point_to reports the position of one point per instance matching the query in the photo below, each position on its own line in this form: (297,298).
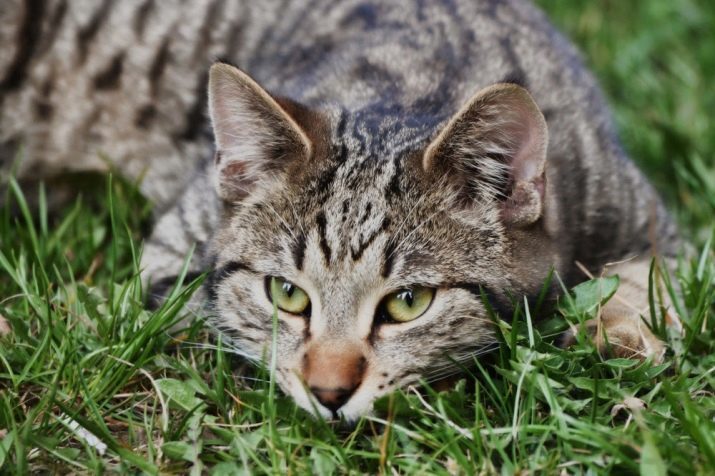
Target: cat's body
(362,183)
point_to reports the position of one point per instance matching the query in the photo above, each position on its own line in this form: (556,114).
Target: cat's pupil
(288,289)
(407,297)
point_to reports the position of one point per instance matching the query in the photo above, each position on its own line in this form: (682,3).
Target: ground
(90,381)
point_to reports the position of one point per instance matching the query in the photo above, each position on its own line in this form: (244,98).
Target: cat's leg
(620,329)
(184,227)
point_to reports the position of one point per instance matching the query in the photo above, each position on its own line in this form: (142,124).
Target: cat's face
(374,290)
(379,274)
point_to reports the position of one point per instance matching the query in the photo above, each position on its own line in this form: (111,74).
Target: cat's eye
(287,296)
(407,304)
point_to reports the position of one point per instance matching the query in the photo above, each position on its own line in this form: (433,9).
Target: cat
(382,171)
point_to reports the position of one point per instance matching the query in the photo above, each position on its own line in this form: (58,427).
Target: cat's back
(84,83)
(419,61)
(395,72)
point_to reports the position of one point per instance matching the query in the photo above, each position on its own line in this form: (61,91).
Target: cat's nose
(333,371)
(334,398)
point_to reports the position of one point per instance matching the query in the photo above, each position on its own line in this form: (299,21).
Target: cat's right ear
(255,136)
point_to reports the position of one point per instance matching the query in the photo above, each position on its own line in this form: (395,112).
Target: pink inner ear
(525,204)
(530,133)
(497,140)
(249,127)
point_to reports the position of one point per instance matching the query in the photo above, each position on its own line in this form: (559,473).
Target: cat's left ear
(494,149)
(256,138)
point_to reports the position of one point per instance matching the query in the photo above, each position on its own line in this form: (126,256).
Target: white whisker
(282,220)
(414,230)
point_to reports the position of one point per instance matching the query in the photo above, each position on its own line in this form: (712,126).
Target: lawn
(92,382)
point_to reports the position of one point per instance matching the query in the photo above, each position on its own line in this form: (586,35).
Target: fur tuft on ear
(255,136)
(494,149)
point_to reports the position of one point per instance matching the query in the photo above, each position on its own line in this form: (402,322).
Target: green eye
(287,296)
(408,304)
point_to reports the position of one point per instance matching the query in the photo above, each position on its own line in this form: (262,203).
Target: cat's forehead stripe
(298,251)
(324,246)
(365,242)
(388,259)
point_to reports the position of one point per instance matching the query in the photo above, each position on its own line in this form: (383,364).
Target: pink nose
(333,399)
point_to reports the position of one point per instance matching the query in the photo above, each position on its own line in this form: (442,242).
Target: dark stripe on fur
(159,291)
(324,247)
(298,251)
(145,116)
(517,75)
(393,188)
(217,276)
(141,16)
(234,37)
(211,18)
(357,254)
(236,335)
(389,259)
(54,25)
(43,106)
(27,40)
(112,74)
(366,214)
(158,65)
(87,34)
(193,125)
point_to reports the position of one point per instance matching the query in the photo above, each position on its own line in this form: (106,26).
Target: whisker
(295,217)
(437,378)
(282,220)
(408,214)
(453,366)
(225,347)
(414,230)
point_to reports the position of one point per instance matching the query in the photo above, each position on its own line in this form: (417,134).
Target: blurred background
(655,60)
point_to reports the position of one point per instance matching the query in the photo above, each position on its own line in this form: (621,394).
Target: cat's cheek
(361,403)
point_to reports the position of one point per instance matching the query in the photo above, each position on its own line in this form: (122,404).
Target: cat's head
(380,264)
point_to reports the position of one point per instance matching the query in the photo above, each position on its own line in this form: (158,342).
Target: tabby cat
(381,171)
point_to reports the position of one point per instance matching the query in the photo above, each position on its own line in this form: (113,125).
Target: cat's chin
(349,413)
(361,404)
(358,406)
(351,416)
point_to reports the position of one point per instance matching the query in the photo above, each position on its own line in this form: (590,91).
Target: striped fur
(361,211)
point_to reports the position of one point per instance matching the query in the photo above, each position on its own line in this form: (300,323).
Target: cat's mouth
(327,390)
(343,382)
(347,409)
(337,407)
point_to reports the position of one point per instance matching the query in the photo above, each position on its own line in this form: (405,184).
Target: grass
(92,382)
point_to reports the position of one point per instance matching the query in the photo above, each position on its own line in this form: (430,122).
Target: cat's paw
(623,336)
(629,337)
